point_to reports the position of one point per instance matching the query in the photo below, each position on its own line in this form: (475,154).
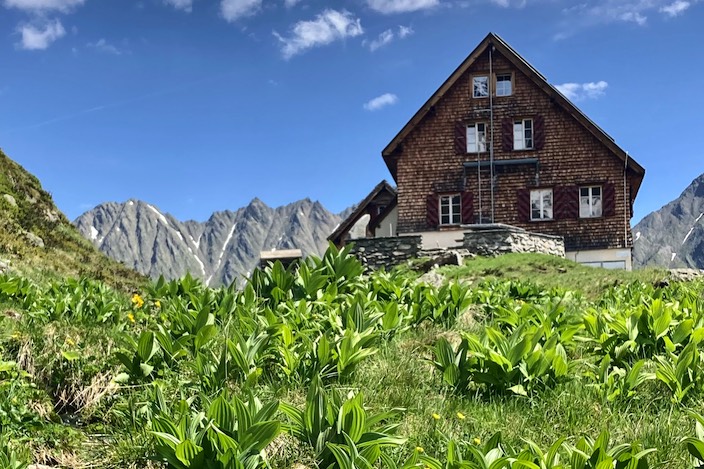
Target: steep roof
(348,222)
(390,153)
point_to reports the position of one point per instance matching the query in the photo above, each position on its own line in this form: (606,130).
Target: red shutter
(608,202)
(467,208)
(523,205)
(432,211)
(507,134)
(539,131)
(566,202)
(460,138)
(558,202)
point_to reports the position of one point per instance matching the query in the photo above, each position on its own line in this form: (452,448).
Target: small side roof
(348,222)
(390,153)
(280,254)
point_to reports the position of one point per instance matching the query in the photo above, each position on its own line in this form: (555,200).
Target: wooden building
(497,144)
(374,217)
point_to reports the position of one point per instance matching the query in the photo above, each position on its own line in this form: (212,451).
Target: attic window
(504,84)
(480,86)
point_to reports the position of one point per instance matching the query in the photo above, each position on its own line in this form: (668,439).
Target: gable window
(590,202)
(541,204)
(450,209)
(480,87)
(476,137)
(504,84)
(523,134)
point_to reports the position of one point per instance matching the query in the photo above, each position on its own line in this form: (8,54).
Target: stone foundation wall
(497,241)
(375,253)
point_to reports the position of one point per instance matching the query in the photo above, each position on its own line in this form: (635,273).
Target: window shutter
(432,211)
(467,207)
(539,130)
(566,202)
(523,205)
(608,203)
(507,134)
(460,138)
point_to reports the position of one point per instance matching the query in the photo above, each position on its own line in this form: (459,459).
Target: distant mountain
(224,248)
(674,235)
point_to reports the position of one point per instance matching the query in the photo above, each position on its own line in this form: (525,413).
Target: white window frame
(523,134)
(453,203)
(591,205)
(475,79)
(544,204)
(476,138)
(500,90)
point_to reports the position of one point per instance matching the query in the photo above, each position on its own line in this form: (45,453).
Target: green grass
(549,272)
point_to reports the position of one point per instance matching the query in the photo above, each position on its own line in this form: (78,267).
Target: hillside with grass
(36,239)
(520,361)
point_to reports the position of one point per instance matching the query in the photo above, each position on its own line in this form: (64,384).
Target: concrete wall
(607,258)
(387,226)
(441,239)
(375,253)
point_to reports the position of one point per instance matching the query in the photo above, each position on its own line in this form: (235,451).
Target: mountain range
(674,235)
(223,249)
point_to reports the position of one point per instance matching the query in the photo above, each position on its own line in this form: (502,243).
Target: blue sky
(202,105)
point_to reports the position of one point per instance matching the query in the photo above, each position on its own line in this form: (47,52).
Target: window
(476,137)
(504,85)
(480,87)
(590,202)
(450,209)
(523,134)
(541,204)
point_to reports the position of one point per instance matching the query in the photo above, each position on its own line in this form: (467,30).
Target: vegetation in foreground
(327,367)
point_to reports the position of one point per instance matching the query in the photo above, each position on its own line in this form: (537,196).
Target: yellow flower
(419,449)
(157,303)
(436,416)
(461,416)
(130,316)
(477,441)
(137,300)
(70,342)
(16,335)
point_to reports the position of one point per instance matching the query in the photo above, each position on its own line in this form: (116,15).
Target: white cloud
(291,3)
(232,10)
(185,5)
(386,99)
(43,5)
(41,37)
(388,36)
(404,31)
(102,45)
(509,3)
(580,91)
(675,8)
(327,27)
(401,6)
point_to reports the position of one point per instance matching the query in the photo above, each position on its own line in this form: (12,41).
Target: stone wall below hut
(502,240)
(375,253)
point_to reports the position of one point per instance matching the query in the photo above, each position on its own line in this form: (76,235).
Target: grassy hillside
(326,367)
(38,240)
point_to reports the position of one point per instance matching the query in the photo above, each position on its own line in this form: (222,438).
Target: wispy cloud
(40,37)
(101,45)
(386,99)
(184,5)
(580,91)
(43,5)
(291,3)
(401,6)
(509,3)
(388,36)
(233,10)
(327,27)
(675,8)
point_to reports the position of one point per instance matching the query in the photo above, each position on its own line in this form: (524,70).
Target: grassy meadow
(520,361)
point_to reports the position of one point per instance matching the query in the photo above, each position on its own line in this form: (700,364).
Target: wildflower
(16,335)
(461,416)
(420,449)
(157,303)
(70,342)
(130,317)
(137,300)
(436,416)
(477,441)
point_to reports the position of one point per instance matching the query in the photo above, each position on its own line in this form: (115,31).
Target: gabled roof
(348,222)
(390,153)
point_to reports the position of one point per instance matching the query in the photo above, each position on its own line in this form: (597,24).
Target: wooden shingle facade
(496,143)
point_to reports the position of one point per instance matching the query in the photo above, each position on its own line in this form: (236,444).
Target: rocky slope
(674,235)
(36,238)
(224,248)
